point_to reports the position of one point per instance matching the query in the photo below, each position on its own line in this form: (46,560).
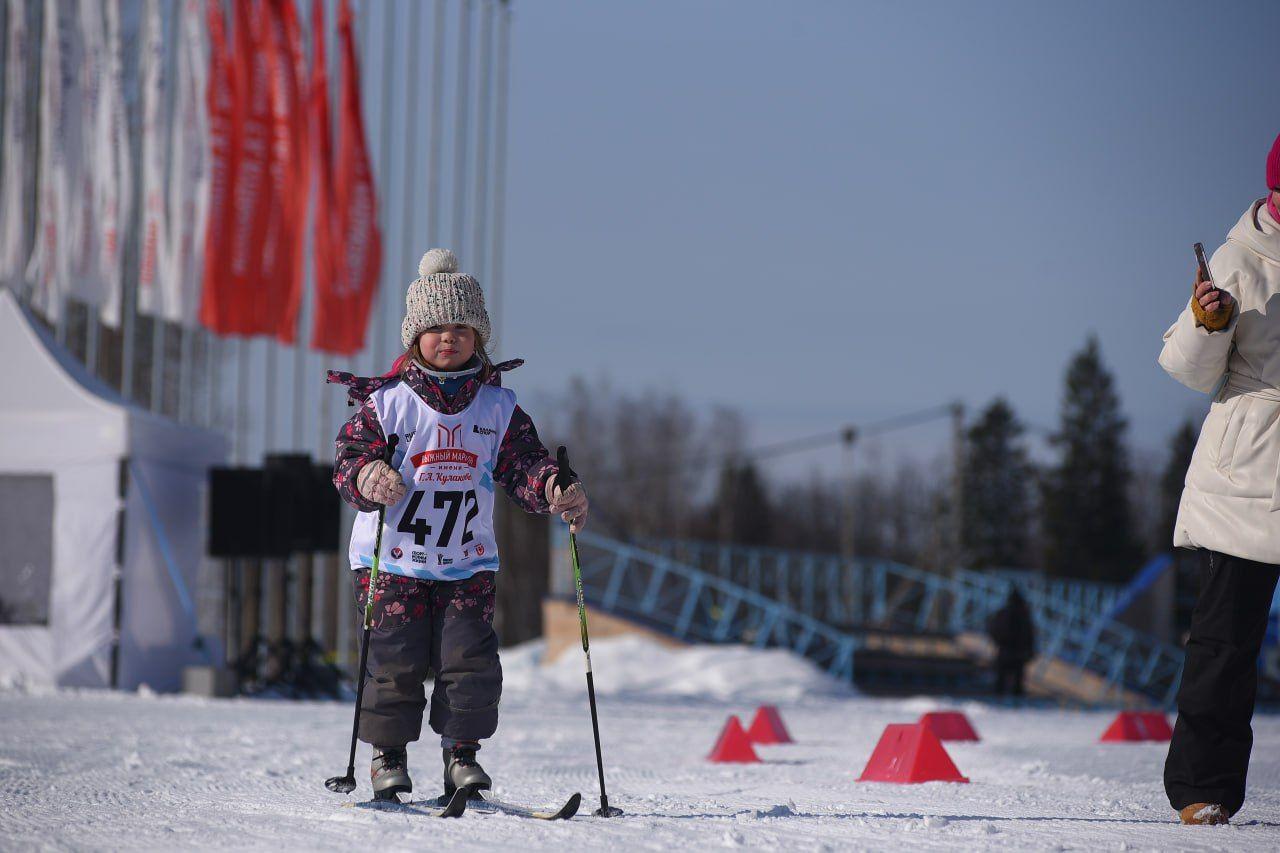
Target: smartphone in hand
(1205,275)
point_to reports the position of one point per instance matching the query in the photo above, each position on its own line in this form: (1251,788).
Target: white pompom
(437,260)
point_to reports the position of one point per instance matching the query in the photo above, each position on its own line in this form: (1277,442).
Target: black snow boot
(390,772)
(461,770)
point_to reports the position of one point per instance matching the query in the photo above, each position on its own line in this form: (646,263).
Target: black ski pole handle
(564,475)
(391,449)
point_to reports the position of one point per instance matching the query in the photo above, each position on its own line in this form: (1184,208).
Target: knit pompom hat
(442,295)
(1273,166)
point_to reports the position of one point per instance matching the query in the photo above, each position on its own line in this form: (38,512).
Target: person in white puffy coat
(1227,342)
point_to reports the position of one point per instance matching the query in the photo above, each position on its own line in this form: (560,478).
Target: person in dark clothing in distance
(1014,634)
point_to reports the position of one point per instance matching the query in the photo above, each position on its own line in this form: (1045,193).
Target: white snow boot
(390,772)
(461,770)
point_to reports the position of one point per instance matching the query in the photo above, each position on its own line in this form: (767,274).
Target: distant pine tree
(1087,523)
(997,491)
(743,512)
(1181,446)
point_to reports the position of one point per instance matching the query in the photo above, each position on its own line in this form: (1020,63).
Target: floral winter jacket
(523,463)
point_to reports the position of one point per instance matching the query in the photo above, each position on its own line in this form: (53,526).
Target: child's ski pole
(347,784)
(563,478)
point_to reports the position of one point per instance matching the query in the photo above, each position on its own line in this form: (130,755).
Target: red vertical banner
(216,293)
(288,170)
(343,301)
(325,239)
(258,199)
(251,199)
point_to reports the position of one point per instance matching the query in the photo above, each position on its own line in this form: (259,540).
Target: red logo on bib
(479,550)
(450,450)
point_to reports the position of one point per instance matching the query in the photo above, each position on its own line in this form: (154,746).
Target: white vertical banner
(60,162)
(13,216)
(155,294)
(112,170)
(190,172)
(86,281)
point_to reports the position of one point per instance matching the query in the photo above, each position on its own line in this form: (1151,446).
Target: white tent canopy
(94,489)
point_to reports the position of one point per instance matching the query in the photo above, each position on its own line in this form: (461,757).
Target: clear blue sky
(820,212)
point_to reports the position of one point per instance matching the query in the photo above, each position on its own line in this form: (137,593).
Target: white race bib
(443,528)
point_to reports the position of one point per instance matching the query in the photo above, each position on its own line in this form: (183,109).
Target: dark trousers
(423,627)
(1009,677)
(1209,754)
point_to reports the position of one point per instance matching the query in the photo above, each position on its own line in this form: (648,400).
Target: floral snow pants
(422,627)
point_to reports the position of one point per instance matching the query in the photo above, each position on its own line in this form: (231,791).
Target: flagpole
(331,73)
(130,234)
(482,140)
(150,266)
(269,393)
(437,118)
(460,141)
(241,442)
(500,165)
(381,303)
(410,197)
(91,340)
(216,350)
(172,57)
(298,442)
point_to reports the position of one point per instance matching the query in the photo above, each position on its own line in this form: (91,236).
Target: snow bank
(637,665)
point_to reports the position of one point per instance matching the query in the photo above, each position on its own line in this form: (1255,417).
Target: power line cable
(779,449)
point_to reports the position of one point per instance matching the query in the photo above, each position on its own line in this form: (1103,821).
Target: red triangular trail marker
(949,725)
(767,727)
(908,753)
(1131,726)
(733,744)
(1157,725)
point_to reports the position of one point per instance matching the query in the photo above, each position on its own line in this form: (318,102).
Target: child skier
(459,432)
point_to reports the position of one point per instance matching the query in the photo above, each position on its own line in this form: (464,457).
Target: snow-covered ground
(92,770)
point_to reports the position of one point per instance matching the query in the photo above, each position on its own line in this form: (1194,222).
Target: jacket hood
(1258,232)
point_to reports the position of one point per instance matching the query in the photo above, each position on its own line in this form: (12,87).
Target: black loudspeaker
(289,505)
(326,510)
(288,485)
(236,512)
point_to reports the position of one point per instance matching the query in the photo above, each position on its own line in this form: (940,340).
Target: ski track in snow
(95,769)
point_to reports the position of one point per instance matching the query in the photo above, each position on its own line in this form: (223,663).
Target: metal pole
(437,120)
(216,350)
(130,256)
(299,382)
(381,303)
(186,352)
(848,438)
(91,340)
(500,169)
(240,440)
(460,139)
(183,402)
(269,396)
(157,362)
(410,197)
(308,274)
(482,139)
(957,485)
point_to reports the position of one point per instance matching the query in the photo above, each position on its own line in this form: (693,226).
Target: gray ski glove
(571,504)
(380,483)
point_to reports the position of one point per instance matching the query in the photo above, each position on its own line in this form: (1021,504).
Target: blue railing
(807,602)
(880,593)
(695,606)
